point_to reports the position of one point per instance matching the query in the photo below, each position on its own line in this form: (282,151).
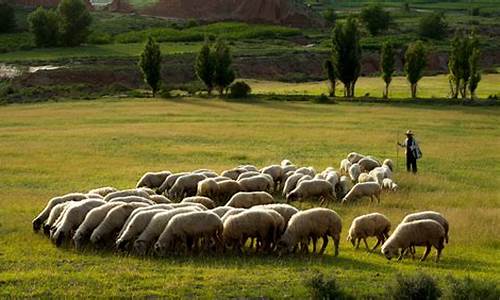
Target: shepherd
(412,152)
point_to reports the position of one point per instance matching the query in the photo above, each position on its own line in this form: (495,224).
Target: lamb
(426,233)
(285,210)
(207,202)
(374,224)
(186,186)
(285,163)
(354,157)
(306,171)
(73,217)
(333,178)
(93,218)
(371,189)
(365,177)
(188,227)
(226,189)
(233,173)
(249,199)
(344,186)
(248,175)
(153,180)
(255,184)
(276,172)
(55,213)
(345,164)
(129,199)
(207,188)
(156,227)
(312,224)
(378,175)
(368,163)
(431,215)
(42,217)
(113,222)
(221,210)
(316,188)
(160,199)
(125,193)
(354,172)
(169,182)
(389,185)
(135,227)
(291,183)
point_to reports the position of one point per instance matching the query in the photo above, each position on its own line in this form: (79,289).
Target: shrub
(375,19)
(150,65)
(44,26)
(74,22)
(7,18)
(99,38)
(432,26)
(321,99)
(468,289)
(240,89)
(330,16)
(324,288)
(414,287)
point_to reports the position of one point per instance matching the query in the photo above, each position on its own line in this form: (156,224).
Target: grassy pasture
(54,148)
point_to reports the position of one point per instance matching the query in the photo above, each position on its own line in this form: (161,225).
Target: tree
(7,18)
(330,16)
(74,22)
(387,64)
(150,64)
(224,74)
(346,54)
(475,74)
(375,19)
(462,65)
(415,62)
(330,73)
(205,66)
(45,27)
(432,26)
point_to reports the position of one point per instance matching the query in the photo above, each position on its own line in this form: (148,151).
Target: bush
(7,18)
(322,288)
(375,19)
(74,22)
(432,26)
(44,24)
(330,16)
(467,288)
(99,38)
(240,89)
(414,287)
(321,99)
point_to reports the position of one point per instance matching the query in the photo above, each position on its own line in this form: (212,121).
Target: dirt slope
(44,3)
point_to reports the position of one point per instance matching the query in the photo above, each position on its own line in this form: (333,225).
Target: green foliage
(387,63)
(375,19)
(44,24)
(223,74)
(470,289)
(414,287)
(432,26)
(463,65)
(16,41)
(330,73)
(74,22)
(205,66)
(322,288)
(240,89)
(150,64)
(475,73)
(7,18)
(330,16)
(415,62)
(346,54)
(99,38)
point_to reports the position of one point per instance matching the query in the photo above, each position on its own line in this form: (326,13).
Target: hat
(409,132)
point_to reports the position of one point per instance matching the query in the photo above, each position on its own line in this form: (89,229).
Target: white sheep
(291,183)
(143,209)
(221,210)
(233,173)
(354,171)
(160,199)
(153,180)
(345,164)
(389,184)
(248,174)
(256,183)
(42,217)
(354,157)
(370,189)
(249,168)
(276,172)
(426,233)
(389,163)
(129,199)
(365,177)
(226,189)
(232,212)
(125,193)
(315,188)
(368,163)
(249,199)
(54,215)
(207,188)
(103,191)
(344,186)
(285,210)
(306,171)
(133,228)
(186,186)
(286,162)
(374,224)
(207,202)
(169,182)
(432,215)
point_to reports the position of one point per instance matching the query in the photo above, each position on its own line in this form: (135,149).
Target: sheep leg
(400,258)
(378,197)
(379,241)
(336,242)
(426,253)
(315,241)
(357,244)
(325,243)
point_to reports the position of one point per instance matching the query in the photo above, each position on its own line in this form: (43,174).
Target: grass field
(54,148)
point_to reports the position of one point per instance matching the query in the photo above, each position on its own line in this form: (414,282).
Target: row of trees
(345,62)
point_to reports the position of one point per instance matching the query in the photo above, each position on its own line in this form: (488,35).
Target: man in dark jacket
(412,152)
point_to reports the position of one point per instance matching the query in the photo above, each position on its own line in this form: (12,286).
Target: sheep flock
(236,211)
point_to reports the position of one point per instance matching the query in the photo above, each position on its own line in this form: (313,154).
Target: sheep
(432,215)
(277,230)
(315,188)
(426,233)
(374,224)
(344,186)
(202,171)
(207,188)
(143,209)
(285,163)
(276,172)
(73,217)
(186,186)
(333,178)
(312,224)
(232,212)
(255,184)
(156,227)
(42,217)
(221,210)
(354,172)
(133,228)
(233,173)
(113,222)
(286,176)
(304,178)
(291,183)
(371,189)
(93,218)
(153,180)
(160,199)
(365,177)
(354,157)
(221,178)
(249,168)
(285,210)
(188,228)
(54,215)
(94,196)
(188,204)
(249,199)
(209,174)
(125,193)
(289,168)
(226,189)
(169,182)
(129,199)
(389,163)
(248,175)
(103,191)
(207,202)
(306,171)
(149,191)
(377,174)
(254,223)
(345,164)
(368,163)
(389,184)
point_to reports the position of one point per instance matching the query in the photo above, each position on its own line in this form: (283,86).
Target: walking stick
(397,151)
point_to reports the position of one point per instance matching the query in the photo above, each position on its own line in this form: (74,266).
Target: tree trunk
(414,90)
(353,86)
(346,89)
(386,90)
